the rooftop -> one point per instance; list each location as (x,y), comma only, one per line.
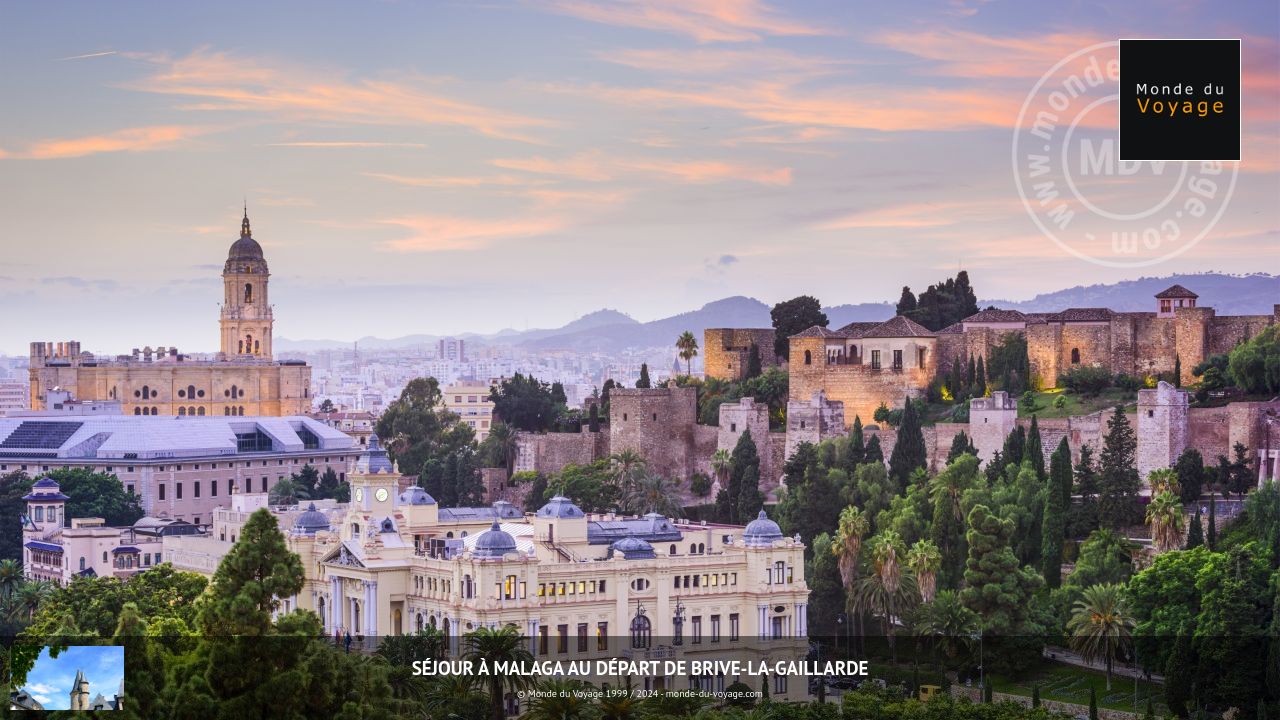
(1175,291)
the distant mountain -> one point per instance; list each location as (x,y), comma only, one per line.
(610,330)
(1228,294)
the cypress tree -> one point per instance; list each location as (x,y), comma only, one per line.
(956,382)
(980,378)
(593,418)
(971,375)
(960,445)
(909,451)
(1118,481)
(857,447)
(1055,515)
(994,469)
(1034,450)
(874,453)
(1015,447)
(643,382)
(1195,533)
(754,366)
(1177,371)
(752,500)
(744,457)
(1211,537)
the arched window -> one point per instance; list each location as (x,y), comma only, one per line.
(257,348)
(104,556)
(191,391)
(137,411)
(146,392)
(248,292)
(200,411)
(248,342)
(82,563)
(641,632)
(702,548)
(1075,356)
(182,411)
(191,411)
(673,550)
(468,587)
(808,358)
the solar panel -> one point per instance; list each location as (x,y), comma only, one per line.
(41,435)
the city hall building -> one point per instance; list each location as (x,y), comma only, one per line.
(578,586)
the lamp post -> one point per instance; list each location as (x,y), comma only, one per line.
(678,623)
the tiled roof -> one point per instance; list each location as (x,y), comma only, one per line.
(1082,315)
(1037,318)
(1176,291)
(899,327)
(952,329)
(817,331)
(996,315)
(856,329)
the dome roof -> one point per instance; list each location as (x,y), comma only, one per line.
(374,459)
(416,496)
(633,548)
(246,248)
(762,531)
(46,482)
(311,521)
(560,507)
(494,543)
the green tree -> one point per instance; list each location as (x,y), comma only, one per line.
(874,454)
(743,458)
(1105,557)
(308,479)
(504,645)
(1190,469)
(1055,515)
(947,490)
(1101,627)
(593,422)
(1211,538)
(909,452)
(1195,532)
(1009,366)
(417,428)
(1015,447)
(793,316)
(96,494)
(287,492)
(1254,365)
(906,302)
(941,304)
(525,403)
(960,444)
(644,381)
(1118,481)
(326,406)
(997,588)
(687,344)
(924,559)
(1034,452)
(1167,521)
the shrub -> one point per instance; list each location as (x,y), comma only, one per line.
(1060,402)
(1089,380)
(700,485)
(1128,382)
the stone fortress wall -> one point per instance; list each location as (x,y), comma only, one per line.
(725,351)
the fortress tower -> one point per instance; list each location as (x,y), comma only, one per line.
(1162,428)
(80,692)
(246,310)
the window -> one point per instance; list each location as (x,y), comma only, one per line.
(715,628)
(779,684)
(808,358)
(562,639)
(641,632)
(542,640)
(582,637)
(875,359)
(178,490)
(602,636)
(697,629)
(897,359)
(161,491)
(213,488)
(39,514)
(1075,356)
(733,627)
(733,427)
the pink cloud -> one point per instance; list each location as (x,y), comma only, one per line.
(454,181)
(221,81)
(140,139)
(703,20)
(595,166)
(440,233)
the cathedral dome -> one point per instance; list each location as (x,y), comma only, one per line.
(761,532)
(245,249)
(494,543)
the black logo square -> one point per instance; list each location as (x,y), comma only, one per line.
(1179,99)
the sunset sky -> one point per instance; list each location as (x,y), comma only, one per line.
(453,167)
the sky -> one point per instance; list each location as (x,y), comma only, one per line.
(453,167)
(49,682)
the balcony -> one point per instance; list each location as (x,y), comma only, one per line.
(661,652)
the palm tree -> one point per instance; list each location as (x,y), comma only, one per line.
(618,708)
(848,542)
(721,463)
(924,559)
(688,346)
(948,620)
(1100,625)
(10,577)
(1167,520)
(28,598)
(626,465)
(504,439)
(449,692)
(872,595)
(652,493)
(491,645)
(1164,479)
(560,699)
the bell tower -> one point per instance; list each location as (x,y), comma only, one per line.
(246,310)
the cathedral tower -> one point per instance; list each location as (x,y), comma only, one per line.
(246,310)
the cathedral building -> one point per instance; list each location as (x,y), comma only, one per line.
(242,378)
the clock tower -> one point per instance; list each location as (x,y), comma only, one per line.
(374,484)
(246,311)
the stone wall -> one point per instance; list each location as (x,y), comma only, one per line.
(813,421)
(737,418)
(990,422)
(1162,427)
(725,351)
(861,388)
(658,423)
(548,453)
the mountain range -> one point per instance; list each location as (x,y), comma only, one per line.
(611,331)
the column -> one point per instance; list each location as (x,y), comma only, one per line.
(453,636)
(371,608)
(533,637)
(335,604)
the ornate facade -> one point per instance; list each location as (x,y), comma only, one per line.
(241,379)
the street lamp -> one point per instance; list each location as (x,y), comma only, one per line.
(678,623)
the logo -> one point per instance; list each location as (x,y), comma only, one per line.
(1083,196)
(1180,99)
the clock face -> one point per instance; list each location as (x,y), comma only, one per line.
(359,494)
(381,495)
